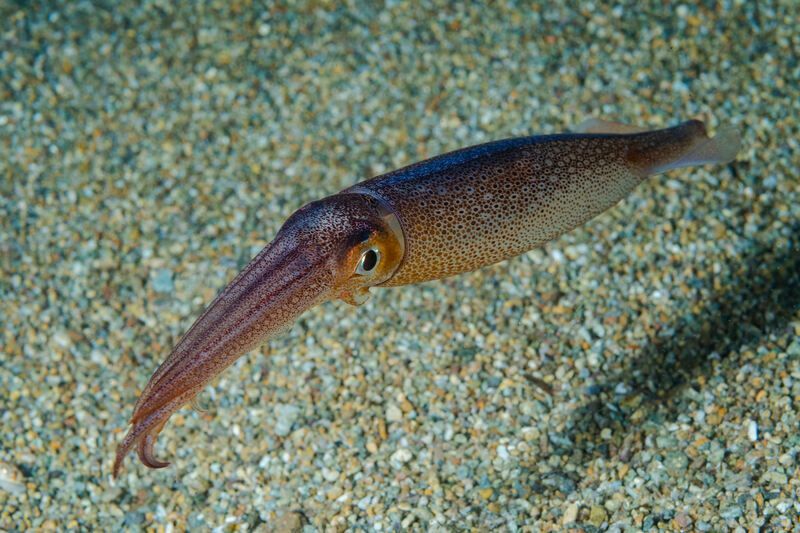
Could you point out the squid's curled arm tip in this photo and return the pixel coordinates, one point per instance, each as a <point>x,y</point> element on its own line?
<point>146,455</point>
<point>143,437</point>
<point>122,451</point>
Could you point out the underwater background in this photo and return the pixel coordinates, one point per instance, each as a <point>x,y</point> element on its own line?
<point>640,372</point>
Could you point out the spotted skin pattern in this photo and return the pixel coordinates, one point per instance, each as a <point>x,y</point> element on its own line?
<point>478,206</point>
<point>454,213</point>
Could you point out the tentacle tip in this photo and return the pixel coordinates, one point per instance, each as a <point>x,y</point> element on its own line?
<point>159,464</point>
<point>146,455</point>
<point>151,462</point>
<point>122,451</point>
<point>117,467</point>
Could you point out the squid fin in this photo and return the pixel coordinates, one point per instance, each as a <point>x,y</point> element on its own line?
<point>702,150</point>
<point>195,404</point>
<point>595,125</point>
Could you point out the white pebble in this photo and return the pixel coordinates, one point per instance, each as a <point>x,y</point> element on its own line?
<point>557,256</point>
<point>570,514</point>
<point>330,475</point>
<point>11,479</point>
<point>393,413</point>
<point>285,415</point>
<point>752,431</point>
<point>502,453</point>
<point>401,456</point>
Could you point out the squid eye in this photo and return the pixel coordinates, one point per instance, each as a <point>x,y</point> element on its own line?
<point>369,260</point>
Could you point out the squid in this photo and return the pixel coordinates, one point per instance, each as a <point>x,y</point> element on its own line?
<point>454,213</point>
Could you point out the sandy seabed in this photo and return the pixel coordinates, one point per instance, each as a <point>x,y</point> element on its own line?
<point>640,372</point>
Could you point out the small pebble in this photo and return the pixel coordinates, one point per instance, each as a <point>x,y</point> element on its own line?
<point>752,431</point>
<point>597,515</point>
<point>502,453</point>
<point>162,281</point>
<point>570,514</point>
<point>11,479</point>
<point>731,513</point>
<point>393,413</point>
<point>401,456</point>
<point>285,415</point>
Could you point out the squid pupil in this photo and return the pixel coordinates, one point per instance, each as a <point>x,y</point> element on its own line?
<point>369,260</point>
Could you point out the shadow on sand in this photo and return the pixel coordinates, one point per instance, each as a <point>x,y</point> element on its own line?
<point>760,294</point>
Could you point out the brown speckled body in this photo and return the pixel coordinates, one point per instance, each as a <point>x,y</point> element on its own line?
<point>480,205</point>
<point>450,214</point>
